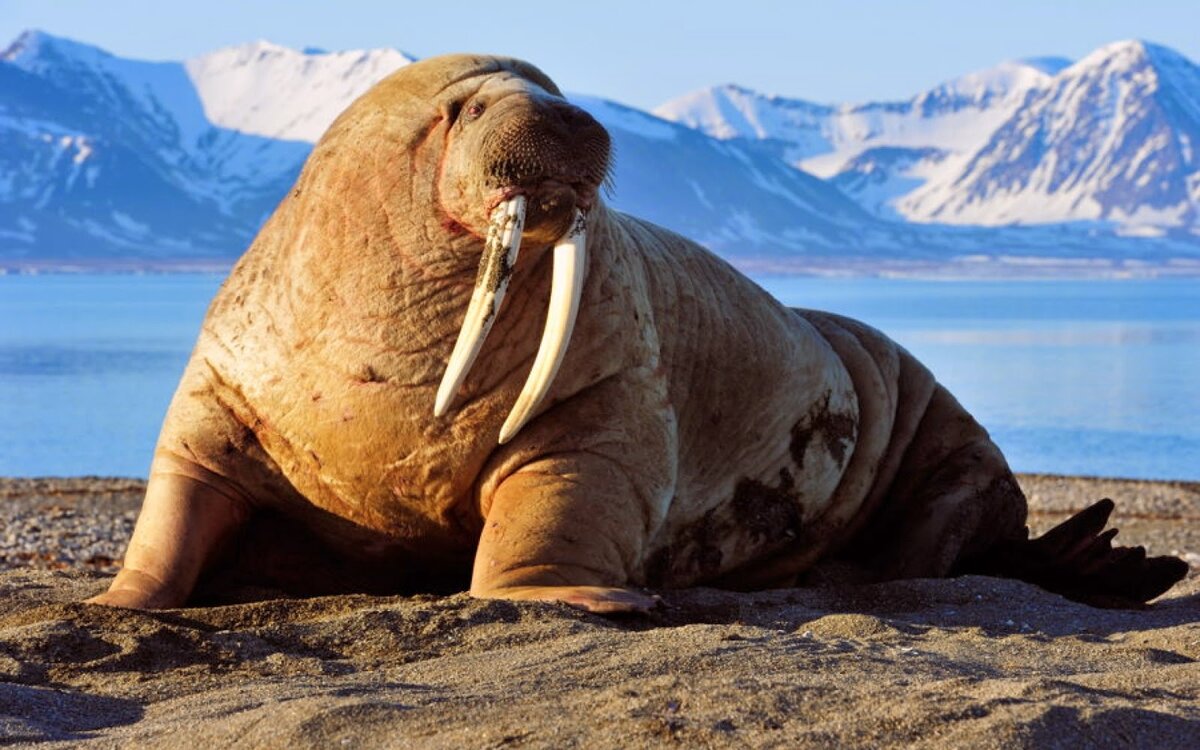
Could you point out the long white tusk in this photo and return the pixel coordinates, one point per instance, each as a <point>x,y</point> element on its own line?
<point>570,260</point>
<point>495,270</point>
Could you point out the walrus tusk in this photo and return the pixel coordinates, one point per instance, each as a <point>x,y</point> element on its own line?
<point>495,269</point>
<point>570,259</point>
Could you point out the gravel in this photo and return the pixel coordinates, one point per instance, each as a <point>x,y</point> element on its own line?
<point>85,522</point>
<point>77,522</point>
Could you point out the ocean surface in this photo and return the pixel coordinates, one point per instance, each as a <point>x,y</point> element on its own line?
<point>1072,377</point>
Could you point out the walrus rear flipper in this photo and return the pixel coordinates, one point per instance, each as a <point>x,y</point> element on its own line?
<point>1076,559</point>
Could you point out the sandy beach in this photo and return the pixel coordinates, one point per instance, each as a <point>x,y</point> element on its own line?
<point>972,661</point>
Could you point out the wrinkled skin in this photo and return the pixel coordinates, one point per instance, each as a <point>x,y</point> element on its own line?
<point>697,432</point>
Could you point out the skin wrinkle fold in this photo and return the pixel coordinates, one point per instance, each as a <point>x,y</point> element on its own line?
<point>557,572</point>
<point>437,190</point>
<point>229,495</point>
<point>867,378</point>
<point>906,423</point>
<point>256,424</point>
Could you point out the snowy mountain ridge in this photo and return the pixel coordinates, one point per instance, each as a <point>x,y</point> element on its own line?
<point>112,161</point>
<point>821,138</point>
<point>1110,138</point>
<point>104,158</point>
<point>1107,140</point>
<point>265,89</point>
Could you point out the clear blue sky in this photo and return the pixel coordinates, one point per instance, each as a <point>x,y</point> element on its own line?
<point>645,52</point>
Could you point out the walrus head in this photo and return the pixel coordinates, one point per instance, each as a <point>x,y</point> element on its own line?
<point>526,165</point>
<point>479,155</point>
<point>513,135</point>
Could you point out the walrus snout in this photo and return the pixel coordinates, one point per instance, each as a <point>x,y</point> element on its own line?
<point>549,150</point>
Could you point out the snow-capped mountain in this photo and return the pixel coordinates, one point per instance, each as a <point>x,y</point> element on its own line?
<point>277,92</point>
<point>728,196</point>
<point>112,161</point>
<point>111,158</point>
<point>104,157</point>
<point>1108,140</point>
<point>822,139</point>
<point>1113,137</point>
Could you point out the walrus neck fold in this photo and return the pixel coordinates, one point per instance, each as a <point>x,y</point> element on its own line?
<point>491,283</point>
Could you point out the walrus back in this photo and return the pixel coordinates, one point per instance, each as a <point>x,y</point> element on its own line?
<point>742,370</point>
<point>917,489</point>
<point>945,501</point>
<point>943,491</point>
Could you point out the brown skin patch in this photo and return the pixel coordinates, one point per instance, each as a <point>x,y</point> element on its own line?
<point>706,539</point>
<point>836,431</point>
<point>770,514</point>
<point>365,373</point>
<point>453,228</point>
<point>1004,498</point>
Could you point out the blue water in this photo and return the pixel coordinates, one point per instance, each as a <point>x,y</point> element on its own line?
<point>1079,377</point>
<point>88,365</point>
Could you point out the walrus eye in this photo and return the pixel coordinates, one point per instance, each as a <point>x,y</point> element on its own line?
<point>474,110</point>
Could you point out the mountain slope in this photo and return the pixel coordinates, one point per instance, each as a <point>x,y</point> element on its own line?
<point>1112,137</point>
<point>879,152</point>
<point>739,200</point>
<point>276,92</point>
<point>154,160</point>
<point>1109,140</point>
<point>956,116</point>
<point>105,157</point>
<point>105,161</point>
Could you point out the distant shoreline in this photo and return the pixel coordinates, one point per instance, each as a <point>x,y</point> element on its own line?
<point>973,268</point>
<point>115,269</point>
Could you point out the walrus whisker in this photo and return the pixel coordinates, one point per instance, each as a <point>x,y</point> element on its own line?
<point>495,270</point>
<point>570,259</point>
<point>608,181</point>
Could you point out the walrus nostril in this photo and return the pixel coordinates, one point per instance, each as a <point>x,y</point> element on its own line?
<point>547,140</point>
<point>575,118</point>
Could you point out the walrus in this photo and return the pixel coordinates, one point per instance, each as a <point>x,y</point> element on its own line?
<point>445,361</point>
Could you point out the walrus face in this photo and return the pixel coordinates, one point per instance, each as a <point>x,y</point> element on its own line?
<point>521,165</point>
<point>511,137</point>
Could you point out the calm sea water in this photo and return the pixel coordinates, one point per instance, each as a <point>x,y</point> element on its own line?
<point>1080,377</point>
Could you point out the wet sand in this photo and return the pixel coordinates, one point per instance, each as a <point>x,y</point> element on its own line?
<point>972,661</point>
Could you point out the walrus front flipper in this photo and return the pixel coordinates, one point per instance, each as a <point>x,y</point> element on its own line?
<point>1076,559</point>
<point>187,519</point>
<point>207,468</point>
<point>560,529</point>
